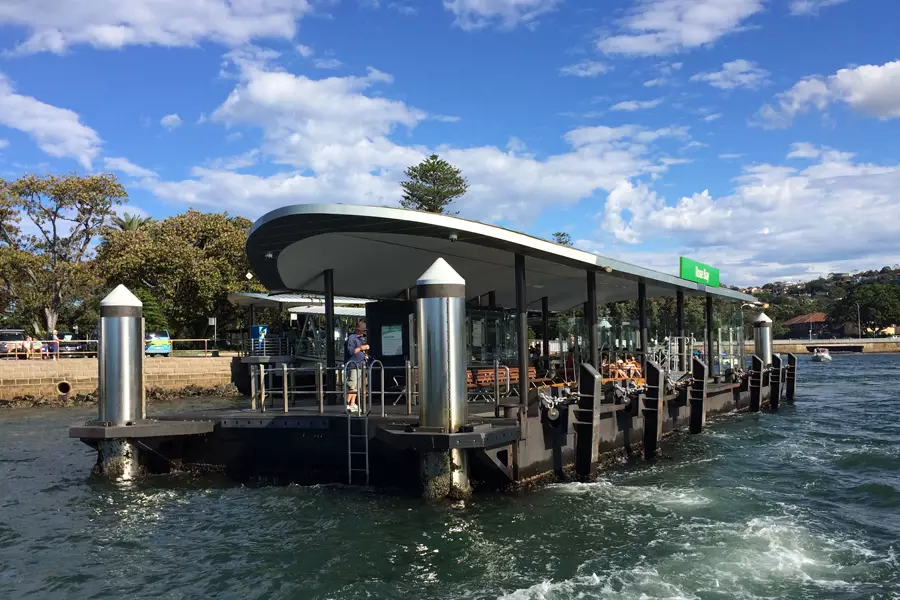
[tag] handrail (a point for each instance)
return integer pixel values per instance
(371, 368)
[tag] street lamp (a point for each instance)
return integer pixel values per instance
(858, 323)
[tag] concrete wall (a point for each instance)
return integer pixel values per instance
(39, 377)
(799, 346)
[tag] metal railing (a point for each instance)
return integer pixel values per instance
(48, 349)
(308, 386)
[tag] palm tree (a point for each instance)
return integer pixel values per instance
(129, 222)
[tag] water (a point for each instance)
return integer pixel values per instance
(802, 504)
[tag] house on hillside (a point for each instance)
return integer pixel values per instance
(813, 325)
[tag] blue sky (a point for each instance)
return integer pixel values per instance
(757, 135)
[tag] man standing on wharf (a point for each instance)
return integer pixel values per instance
(354, 363)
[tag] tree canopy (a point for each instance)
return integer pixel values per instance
(432, 185)
(879, 306)
(562, 238)
(189, 263)
(48, 226)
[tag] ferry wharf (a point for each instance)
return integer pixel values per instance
(455, 398)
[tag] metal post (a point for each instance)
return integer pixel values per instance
(719, 349)
(329, 330)
(522, 315)
(320, 387)
(775, 383)
(262, 388)
(590, 315)
(284, 385)
(697, 396)
(709, 336)
(443, 404)
(496, 388)
(682, 347)
(410, 385)
(790, 391)
(762, 338)
(642, 324)
(492, 299)
(756, 377)
(120, 379)
(252, 387)
(545, 327)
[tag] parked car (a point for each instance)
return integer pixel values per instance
(158, 343)
(69, 347)
(12, 342)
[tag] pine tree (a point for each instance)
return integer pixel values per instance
(562, 238)
(154, 317)
(433, 184)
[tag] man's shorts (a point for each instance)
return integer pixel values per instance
(353, 373)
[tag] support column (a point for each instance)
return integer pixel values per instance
(522, 319)
(697, 396)
(252, 315)
(590, 316)
(775, 383)
(679, 310)
(545, 327)
(642, 324)
(709, 337)
(330, 379)
(791, 379)
(654, 405)
(492, 299)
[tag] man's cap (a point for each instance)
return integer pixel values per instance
(361, 325)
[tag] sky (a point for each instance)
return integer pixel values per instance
(758, 136)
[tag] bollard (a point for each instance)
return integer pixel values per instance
(762, 338)
(791, 379)
(121, 361)
(120, 384)
(443, 405)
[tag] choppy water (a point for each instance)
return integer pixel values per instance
(802, 504)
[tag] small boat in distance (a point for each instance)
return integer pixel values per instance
(821, 355)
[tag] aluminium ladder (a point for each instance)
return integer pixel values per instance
(361, 438)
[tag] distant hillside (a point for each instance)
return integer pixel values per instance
(876, 292)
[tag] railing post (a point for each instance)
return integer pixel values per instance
(320, 387)
(496, 388)
(410, 384)
(284, 385)
(253, 386)
(262, 388)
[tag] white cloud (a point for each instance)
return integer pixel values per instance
(446, 118)
(170, 122)
(873, 90)
(658, 82)
(634, 105)
(123, 165)
(668, 26)
(507, 14)
(403, 9)
(3, 143)
(327, 63)
(805, 212)
(57, 131)
(712, 117)
(804, 150)
(585, 68)
(331, 138)
(811, 7)
(54, 25)
(735, 74)
(730, 156)
(627, 203)
(304, 51)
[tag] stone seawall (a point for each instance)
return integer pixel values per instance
(39, 377)
(800, 346)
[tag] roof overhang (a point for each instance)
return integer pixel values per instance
(379, 252)
(287, 301)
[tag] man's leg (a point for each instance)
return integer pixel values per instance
(352, 381)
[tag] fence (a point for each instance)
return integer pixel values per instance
(59, 349)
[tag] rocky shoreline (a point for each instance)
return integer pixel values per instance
(153, 395)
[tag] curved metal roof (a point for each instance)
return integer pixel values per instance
(379, 252)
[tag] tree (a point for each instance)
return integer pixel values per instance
(879, 306)
(130, 222)
(189, 263)
(562, 238)
(154, 318)
(42, 272)
(433, 184)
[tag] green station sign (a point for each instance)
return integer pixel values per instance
(697, 271)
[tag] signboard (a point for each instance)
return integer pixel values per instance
(391, 340)
(212, 321)
(698, 272)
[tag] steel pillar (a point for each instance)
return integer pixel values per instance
(590, 316)
(330, 363)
